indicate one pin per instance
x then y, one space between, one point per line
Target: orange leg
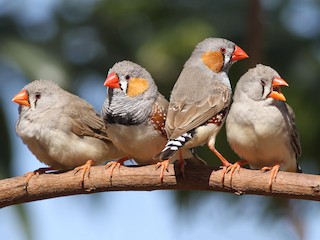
85 170
224 161
235 166
274 171
182 163
37 172
164 166
113 165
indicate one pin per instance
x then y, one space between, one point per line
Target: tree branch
146 178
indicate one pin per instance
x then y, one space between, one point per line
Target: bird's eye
222 50
127 77
38 96
263 83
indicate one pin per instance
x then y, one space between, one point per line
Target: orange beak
278 82
22 98
112 81
238 54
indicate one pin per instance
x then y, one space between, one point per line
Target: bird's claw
85 170
164 167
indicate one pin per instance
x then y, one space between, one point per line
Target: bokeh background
75 42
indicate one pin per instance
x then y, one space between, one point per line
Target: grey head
40 96
260 84
131 93
216 53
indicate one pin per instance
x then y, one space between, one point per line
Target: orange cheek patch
137 86
213 60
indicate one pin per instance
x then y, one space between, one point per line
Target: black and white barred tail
173 145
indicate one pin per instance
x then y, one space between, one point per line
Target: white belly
141 142
205 134
257 143
66 151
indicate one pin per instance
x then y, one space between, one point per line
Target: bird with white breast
200 99
260 126
135 113
61 129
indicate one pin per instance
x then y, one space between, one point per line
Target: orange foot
235 166
37 172
274 171
85 170
113 165
164 166
224 161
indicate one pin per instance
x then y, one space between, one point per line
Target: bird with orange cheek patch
61 129
200 99
135 113
260 126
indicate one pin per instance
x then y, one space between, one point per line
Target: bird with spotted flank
200 98
134 112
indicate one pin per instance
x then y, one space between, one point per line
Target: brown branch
50 185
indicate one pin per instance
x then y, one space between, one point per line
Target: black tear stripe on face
36 100
223 59
263 84
127 77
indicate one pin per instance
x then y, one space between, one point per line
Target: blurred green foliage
5 148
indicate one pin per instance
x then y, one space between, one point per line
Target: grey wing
294 135
85 120
195 99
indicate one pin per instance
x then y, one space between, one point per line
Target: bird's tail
173 145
